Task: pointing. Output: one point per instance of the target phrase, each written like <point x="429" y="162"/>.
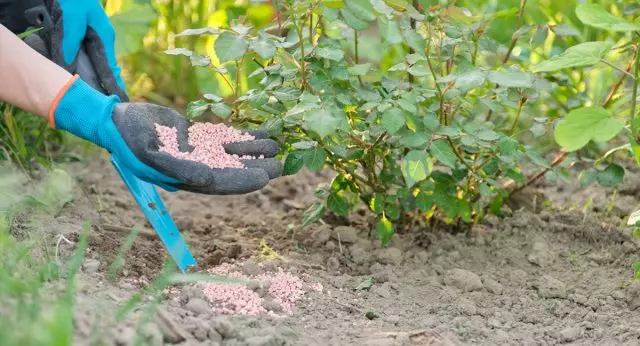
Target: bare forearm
<point x="27" y="79"/>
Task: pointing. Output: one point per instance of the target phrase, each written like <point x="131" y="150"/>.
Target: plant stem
<point x="311" y="28"/>
<point x="616" y="86"/>
<point x="474" y="55"/>
<point x="559" y="158"/>
<point x="302" y="64"/>
<point x="412" y="24"/>
<point x="228" y="82"/>
<point x="237" y="89"/>
<point x="355" y="52"/>
<point x="355" y="45"/>
<point x="634" y="93"/>
<point x="618" y="68"/>
<point x="515" y="121"/>
<point x="458" y="155"/>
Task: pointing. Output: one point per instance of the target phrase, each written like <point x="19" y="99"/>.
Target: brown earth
<point x="560" y="276"/>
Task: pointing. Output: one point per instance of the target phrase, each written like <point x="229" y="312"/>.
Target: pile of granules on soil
<point x="208" y="141"/>
<point x="270" y="290"/>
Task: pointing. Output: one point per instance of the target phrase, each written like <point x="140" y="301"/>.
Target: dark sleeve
<point x="13" y="14"/>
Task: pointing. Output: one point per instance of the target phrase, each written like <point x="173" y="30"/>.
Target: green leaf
<point x="330" y="53"/>
<point x="393" y="119"/>
<point x="416" y="167"/>
<point x="507" y="146"/>
<point x="584" y="124"/>
<point x="335" y="4"/>
<point x="302" y="145"/>
<point x="414" y="58"/>
<point x="610" y="176"/>
<point x="362" y="9"/>
<point x="293" y="163"/>
<point x="198" y="32"/>
<point x="313" y="214"/>
<point x="212" y="97"/>
<point x="197" y="108"/>
<point x="414" y="139"/>
<point x="392" y="211"/>
<point x="322" y="122"/>
<point x="430" y="121"/>
<point x="470" y="79"/>
<point x="398" y="5"/>
<point x="314" y="158"/>
<point x="424" y="201"/>
<point x="377" y="204"/>
<point x="229" y="46"/>
<point x="390" y="30"/>
<point x="264" y="48"/>
<point x="583" y="54"/>
<point x="384" y="230"/>
<point x="595" y="15"/>
<point x="179" y="51"/>
<point x="200" y="60"/>
<point x="359" y="69"/>
<point x="221" y="110"/>
<point x="443" y="152"/>
<point x="511" y="79"/>
<point x="131" y="26"/>
<point x="351" y="20"/>
<point x="415" y="41"/>
<point x="418" y="70"/>
<point x="338" y="204"/>
<point x="634" y="218"/>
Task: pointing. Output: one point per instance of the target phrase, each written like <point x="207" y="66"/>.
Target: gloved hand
<point x="76" y="23"/>
<point x="127" y="130"/>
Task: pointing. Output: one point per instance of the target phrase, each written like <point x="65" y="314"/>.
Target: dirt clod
<point x="389" y="255"/>
<point x="492" y="286"/>
<point x="570" y="334"/>
<point x="198" y="306"/>
<point x="463" y="279"/>
<point x="549" y="287"/>
<point x="91" y="266"/>
<point x="633" y="295"/>
<point x="345" y="234"/>
<point x="540" y="254"/>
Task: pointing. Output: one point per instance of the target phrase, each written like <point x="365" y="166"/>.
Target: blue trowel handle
<point x="154" y="209"/>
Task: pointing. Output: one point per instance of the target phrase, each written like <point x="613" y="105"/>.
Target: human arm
<point x="21" y="71"/>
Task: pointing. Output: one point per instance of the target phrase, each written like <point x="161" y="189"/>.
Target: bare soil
<point x="561" y="275"/>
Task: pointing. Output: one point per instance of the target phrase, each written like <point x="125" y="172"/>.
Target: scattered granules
<point x="284" y="289"/>
<point x="316" y="286"/>
<point x="207" y="140"/>
<point x="233" y="299"/>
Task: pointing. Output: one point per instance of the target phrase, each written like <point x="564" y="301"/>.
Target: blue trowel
<point x="145" y="194"/>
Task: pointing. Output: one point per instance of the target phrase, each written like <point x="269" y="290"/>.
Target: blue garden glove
<point x="127" y="131"/>
<point x="77" y="23"/>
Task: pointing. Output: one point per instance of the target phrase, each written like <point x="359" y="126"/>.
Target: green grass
<point x="38" y="285"/>
<point x="31" y="312"/>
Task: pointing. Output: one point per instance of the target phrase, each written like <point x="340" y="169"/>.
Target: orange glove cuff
<point x="56" y="100"/>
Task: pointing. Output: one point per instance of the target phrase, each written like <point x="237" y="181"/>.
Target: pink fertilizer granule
<point x="233" y="299"/>
<point x="207" y="140"/>
<point x="284" y="289"/>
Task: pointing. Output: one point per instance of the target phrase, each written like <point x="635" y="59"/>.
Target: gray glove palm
<point x="136" y="124"/>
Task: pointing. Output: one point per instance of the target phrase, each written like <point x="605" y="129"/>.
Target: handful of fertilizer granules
<point x="208" y="142"/>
